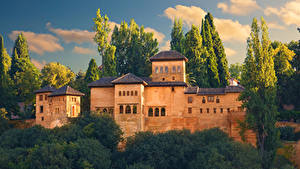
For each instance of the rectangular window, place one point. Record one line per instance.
(200, 110)
(46, 97)
(124, 93)
(215, 110)
(190, 99)
(228, 110)
(190, 110)
(131, 93)
(42, 118)
(221, 110)
(178, 69)
(41, 97)
(210, 98)
(156, 69)
(127, 93)
(120, 93)
(207, 110)
(121, 109)
(161, 69)
(41, 109)
(135, 93)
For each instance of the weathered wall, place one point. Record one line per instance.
(170, 76)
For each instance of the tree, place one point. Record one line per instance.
(177, 38)
(92, 73)
(235, 71)
(259, 96)
(56, 75)
(109, 62)
(219, 52)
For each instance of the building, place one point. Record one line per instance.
(165, 101)
(55, 106)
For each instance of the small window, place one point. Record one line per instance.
(131, 93)
(210, 98)
(41, 109)
(42, 118)
(215, 110)
(121, 109)
(173, 89)
(135, 93)
(163, 79)
(207, 110)
(104, 110)
(221, 110)
(156, 69)
(41, 97)
(161, 69)
(217, 99)
(174, 69)
(150, 112)
(134, 109)
(46, 97)
(178, 69)
(128, 93)
(173, 77)
(128, 109)
(166, 69)
(190, 110)
(163, 112)
(203, 100)
(201, 110)
(190, 99)
(124, 93)
(120, 93)
(97, 109)
(156, 112)
(228, 110)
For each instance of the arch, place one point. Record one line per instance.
(178, 69)
(150, 112)
(121, 109)
(128, 109)
(166, 69)
(174, 69)
(104, 110)
(156, 112)
(203, 100)
(134, 109)
(163, 111)
(161, 69)
(156, 69)
(120, 93)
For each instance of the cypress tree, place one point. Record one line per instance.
(177, 37)
(92, 73)
(109, 61)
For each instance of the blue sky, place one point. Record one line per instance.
(61, 30)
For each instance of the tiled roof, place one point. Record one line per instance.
(234, 89)
(191, 90)
(103, 82)
(207, 91)
(129, 78)
(168, 55)
(211, 91)
(66, 90)
(156, 84)
(45, 89)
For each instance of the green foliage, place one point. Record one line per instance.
(295, 47)
(109, 62)
(56, 75)
(235, 71)
(177, 38)
(4, 124)
(287, 133)
(92, 73)
(286, 115)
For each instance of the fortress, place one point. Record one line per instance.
(160, 103)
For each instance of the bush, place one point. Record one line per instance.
(287, 133)
(286, 115)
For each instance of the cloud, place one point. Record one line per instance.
(275, 25)
(73, 35)
(84, 51)
(230, 52)
(239, 7)
(158, 35)
(39, 43)
(228, 29)
(166, 46)
(38, 64)
(289, 13)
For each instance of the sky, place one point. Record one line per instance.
(62, 30)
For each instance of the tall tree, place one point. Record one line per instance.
(235, 71)
(196, 68)
(109, 61)
(56, 75)
(92, 73)
(177, 38)
(259, 96)
(211, 60)
(219, 52)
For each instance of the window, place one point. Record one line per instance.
(173, 77)
(41, 109)
(124, 93)
(74, 99)
(41, 97)
(217, 99)
(121, 109)
(190, 99)
(156, 112)
(104, 110)
(42, 118)
(128, 109)
(174, 69)
(161, 69)
(135, 93)
(156, 69)
(131, 93)
(215, 110)
(166, 69)
(190, 110)
(207, 110)
(57, 110)
(120, 93)
(210, 98)
(173, 89)
(228, 110)
(163, 79)
(221, 110)
(134, 109)
(111, 111)
(163, 112)
(178, 69)
(46, 97)
(128, 93)
(150, 112)
(203, 100)
(200, 110)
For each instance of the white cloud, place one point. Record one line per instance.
(239, 7)
(275, 25)
(38, 64)
(85, 51)
(228, 29)
(166, 46)
(39, 43)
(289, 13)
(158, 35)
(230, 52)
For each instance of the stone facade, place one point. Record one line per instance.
(165, 102)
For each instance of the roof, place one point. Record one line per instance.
(45, 89)
(213, 91)
(208, 91)
(168, 55)
(129, 78)
(103, 82)
(191, 90)
(66, 90)
(234, 89)
(161, 84)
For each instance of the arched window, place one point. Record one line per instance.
(174, 69)
(203, 100)
(161, 69)
(178, 69)
(127, 93)
(163, 112)
(131, 93)
(134, 109)
(217, 99)
(120, 93)
(121, 109)
(156, 69)
(128, 109)
(156, 112)
(166, 69)
(150, 112)
(123, 93)
(207, 110)
(135, 93)
(104, 110)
